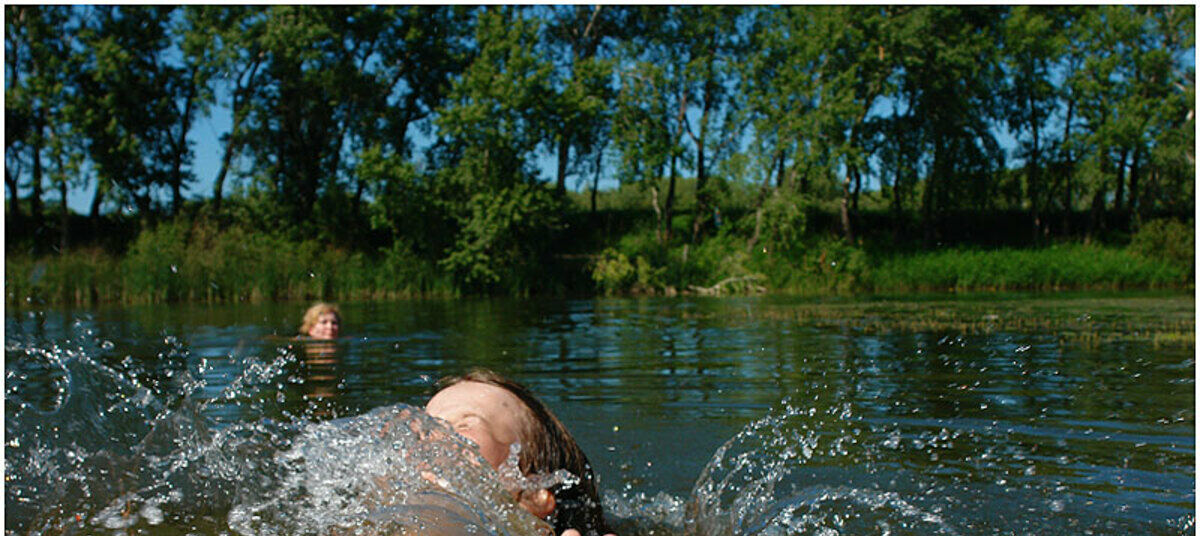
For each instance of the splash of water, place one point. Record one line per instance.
(772, 478)
(394, 469)
(98, 447)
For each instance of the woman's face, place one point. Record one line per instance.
(487, 415)
(326, 326)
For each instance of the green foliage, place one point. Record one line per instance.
(78, 277)
(154, 262)
(613, 272)
(813, 266)
(783, 221)
(404, 149)
(502, 243)
(402, 272)
(1169, 241)
(1068, 266)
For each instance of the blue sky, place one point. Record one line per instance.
(208, 151)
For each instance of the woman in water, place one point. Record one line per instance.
(495, 412)
(322, 321)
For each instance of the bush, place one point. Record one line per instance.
(502, 243)
(613, 272)
(783, 221)
(813, 266)
(1167, 240)
(152, 266)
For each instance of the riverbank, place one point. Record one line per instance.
(186, 261)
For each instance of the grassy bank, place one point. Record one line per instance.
(1051, 268)
(823, 267)
(190, 261)
(182, 262)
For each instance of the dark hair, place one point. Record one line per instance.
(547, 446)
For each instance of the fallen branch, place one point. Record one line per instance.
(718, 288)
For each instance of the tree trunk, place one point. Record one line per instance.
(857, 191)
(1134, 175)
(779, 173)
(102, 187)
(35, 193)
(928, 200)
(1096, 212)
(847, 230)
(702, 200)
(763, 191)
(1119, 200)
(14, 201)
(702, 203)
(1034, 184)
(564, 151)
(1068, 171)
(65, 221)
(219, 182)
(669, 206)
(596, 178)
(180, 151)
(233, 142)
(1095, 216)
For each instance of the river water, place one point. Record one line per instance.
(1044, 414)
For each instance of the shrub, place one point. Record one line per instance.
(502, 243)
(1167, 240)
(783, 221)
(152, 266)
(613, 272)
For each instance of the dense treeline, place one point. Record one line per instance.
(448, 143)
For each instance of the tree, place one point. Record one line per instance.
(648, 124)
(136, 106)
(950, 78)
(1131, 92)
(493, 121)
(226, 39)
(710, 45)
(39, 55)
(811, 90)
(421, 49)
(1034, 41)
(582, 43)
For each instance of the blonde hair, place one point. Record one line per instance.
(314, 313)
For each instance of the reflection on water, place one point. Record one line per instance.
(319, 374)
(754, 416)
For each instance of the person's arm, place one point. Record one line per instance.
(573, 532)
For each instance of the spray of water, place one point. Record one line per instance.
(97, 448)
(99, 444)
(773, 477)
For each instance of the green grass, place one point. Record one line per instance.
(200, 261)
(183, 262)
(1056, 267)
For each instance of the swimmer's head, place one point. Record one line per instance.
(495, 412)
(321, 321)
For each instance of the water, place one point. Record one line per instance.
(976, 415)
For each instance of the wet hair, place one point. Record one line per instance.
(314, 313)
(547, 446)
